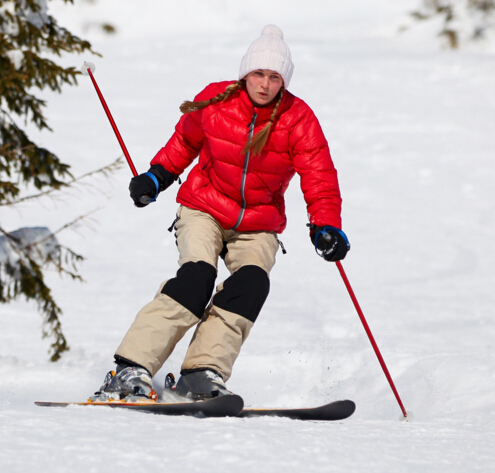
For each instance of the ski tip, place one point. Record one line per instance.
(51, 404)
(336, 410)
(348, 405)
(233, 404)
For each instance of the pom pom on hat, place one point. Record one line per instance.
(273, 30)
(269, 51)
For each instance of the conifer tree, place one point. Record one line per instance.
(29, 36)
(468, 18)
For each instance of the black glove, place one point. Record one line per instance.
(146, 187)
(330, 242)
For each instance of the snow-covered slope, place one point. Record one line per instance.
(411, 133)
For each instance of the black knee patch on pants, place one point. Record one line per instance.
(192, 287)
(245, 292)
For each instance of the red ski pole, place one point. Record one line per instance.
(406, 415)
(87, 69)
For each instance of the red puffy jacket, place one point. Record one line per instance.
(246, 192)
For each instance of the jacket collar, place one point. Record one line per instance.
(263, 113)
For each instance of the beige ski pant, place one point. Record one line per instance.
(218, 338)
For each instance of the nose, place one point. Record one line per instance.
(265, 82)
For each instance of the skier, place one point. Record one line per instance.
(252, 135)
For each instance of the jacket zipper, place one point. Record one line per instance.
(244, 174)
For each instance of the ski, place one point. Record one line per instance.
(337, 410)
(223, 406)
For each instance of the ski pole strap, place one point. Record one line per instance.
(157, 185)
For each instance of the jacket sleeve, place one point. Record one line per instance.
(312, 161)
(186, 142)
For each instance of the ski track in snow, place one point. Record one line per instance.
(411, 133)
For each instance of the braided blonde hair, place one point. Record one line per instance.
(258, 141)
(188, 106)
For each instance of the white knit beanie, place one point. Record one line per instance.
(269, 51)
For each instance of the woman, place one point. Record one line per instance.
(252, 136)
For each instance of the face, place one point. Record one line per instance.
(263, 86)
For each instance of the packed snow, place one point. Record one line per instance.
(410, 128)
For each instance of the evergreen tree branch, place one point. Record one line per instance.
(105, 171)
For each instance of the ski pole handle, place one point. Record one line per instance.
(145, 199)
(326, 236)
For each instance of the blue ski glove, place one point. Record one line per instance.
(146, 187)
(330, 242)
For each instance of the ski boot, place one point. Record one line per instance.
(201, 384)
(129, 383)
